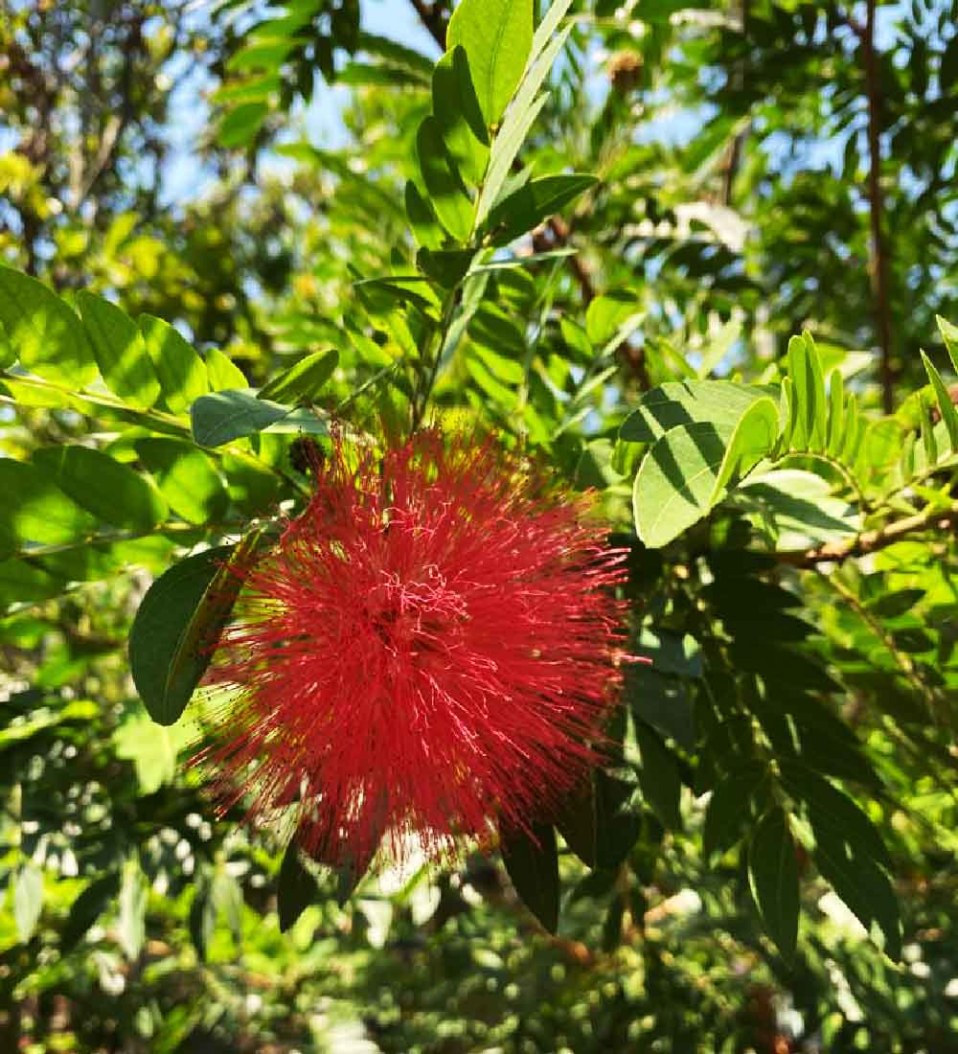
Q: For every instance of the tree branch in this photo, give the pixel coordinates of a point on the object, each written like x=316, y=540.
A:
x=879, y=265
x=945, y=520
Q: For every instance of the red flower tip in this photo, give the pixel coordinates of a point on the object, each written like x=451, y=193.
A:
x=430, y=649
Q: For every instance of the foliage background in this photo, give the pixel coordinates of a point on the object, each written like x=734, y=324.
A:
x=762, y=168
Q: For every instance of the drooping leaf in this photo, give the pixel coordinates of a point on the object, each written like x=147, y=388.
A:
x=576, y=821
x=532, y=861
x=100, y=894
x=44, y=333
x=729, y=807
x=296, y=888
x=659, y=776
x=773, y=877
x=176, y=628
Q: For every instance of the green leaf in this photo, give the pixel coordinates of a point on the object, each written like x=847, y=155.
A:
x=131, y=924
x=87, y=908
x=187, y=478
x=945, y=406
x=729, y=808
x=617, y=823
x=27, y=899
x=222, y=373
x=304, y=380
x=456, y=108
x=532, y=861
x=497, y=37
x=443, y=183
x=659, y=776
x=576, y=821
x=773, y=878
x=35, y=510
x=296, y=888
x=43, y=331
x=533, y=203
x=661, y=700
x=836, y=413
x=753, y=439
x=445, y=267
x=525, y=107
x=176, y=629
x=675, y=484
x=861, y=884
x=113, y=492
x=21, y=582
x=810, y=406
x=833, y=813
x=223, y=416
x=721, y=403
x=240, y=124
x=949, y=334
x=422, y=218
x=120, y=352
x=179, y=368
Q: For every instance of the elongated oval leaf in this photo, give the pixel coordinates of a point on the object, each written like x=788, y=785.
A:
x=221, y=417
x=773, y=877
x=44, y=333
x=35, y=511
x=497, y=37
x=179, y=368
x=120, y=352
x=114, y=493
x=444, y=185
x=187, y=478
x=296, y=888
x=304, y=380
x=532, y=861
x=176, y=628
x=534, y=202
x=456, y=108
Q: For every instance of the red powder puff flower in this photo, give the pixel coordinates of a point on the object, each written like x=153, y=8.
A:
x=430, y=649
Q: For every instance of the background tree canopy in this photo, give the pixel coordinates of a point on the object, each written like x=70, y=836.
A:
x=701, y=259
